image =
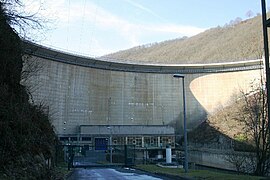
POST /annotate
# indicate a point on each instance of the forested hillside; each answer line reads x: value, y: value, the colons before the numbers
x: 233, y: 42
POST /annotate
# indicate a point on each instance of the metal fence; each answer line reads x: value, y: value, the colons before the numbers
x: 93, y: 156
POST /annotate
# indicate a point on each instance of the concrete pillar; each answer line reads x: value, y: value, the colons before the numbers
x: 126, y: 140
x: 168, y: 154
x: 144, y: 156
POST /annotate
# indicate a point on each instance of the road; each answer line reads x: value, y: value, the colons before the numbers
x: 111, y: 173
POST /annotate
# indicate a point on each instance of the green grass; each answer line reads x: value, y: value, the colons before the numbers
x: 196, y: 174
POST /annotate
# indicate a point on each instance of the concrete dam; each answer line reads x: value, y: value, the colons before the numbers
x: 89, y: 99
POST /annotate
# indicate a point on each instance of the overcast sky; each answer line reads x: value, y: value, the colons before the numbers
x: 98, y: 27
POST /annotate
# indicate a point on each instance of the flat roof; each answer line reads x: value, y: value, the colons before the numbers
x: 126, y: 130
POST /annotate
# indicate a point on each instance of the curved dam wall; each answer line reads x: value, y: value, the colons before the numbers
x: 86, y: 91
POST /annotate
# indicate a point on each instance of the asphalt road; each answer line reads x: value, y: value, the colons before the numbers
x: 111, y: 173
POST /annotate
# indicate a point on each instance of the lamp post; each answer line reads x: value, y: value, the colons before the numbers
x: 109, y: 127
x: 185, y: 122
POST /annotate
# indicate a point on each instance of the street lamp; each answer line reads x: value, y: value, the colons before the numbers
x: 110, y: 128
x: 185, y: 122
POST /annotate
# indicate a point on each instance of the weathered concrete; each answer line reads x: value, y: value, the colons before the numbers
x: 81, y: 91
x: 216, y: 90
x: 211, y: 158
x: 223, y: 159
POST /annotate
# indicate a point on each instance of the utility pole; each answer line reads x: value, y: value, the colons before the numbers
x: 266, y: 24
x: 185, y: 120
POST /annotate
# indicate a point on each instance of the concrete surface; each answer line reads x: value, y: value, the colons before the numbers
x: 80, y: 91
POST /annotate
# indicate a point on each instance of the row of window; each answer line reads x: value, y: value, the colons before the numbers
x: 137, y: 141
x: 72, y: 138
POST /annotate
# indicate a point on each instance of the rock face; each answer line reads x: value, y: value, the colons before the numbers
x: 26, y: 136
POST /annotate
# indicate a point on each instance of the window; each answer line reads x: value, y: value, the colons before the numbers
x: 86, y: 139
x: 138, y: 142
x: 167, y: 140
x: 146, y: 141
x: 119, y: 140
x: 63, y: 138
x: 73, y: 138
x: 154, y: 142
x: 131, y: 140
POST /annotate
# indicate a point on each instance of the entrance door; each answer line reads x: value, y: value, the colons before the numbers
x: 101, y: 144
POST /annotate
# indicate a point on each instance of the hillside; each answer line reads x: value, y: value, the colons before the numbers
x: 27, y: 138
x: 224, y: 129
x: 235, y: 42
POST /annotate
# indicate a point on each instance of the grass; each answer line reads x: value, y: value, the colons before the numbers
x: 196, y: 174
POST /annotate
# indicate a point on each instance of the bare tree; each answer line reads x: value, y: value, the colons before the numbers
x: 249, y: 14
x: 21, y: 20
x: 242, y: 161
x: 25, y: 129
x: 253, y: 113
x: 235, y: 21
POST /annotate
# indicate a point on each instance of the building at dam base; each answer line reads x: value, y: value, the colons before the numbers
x: 91, y: 100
